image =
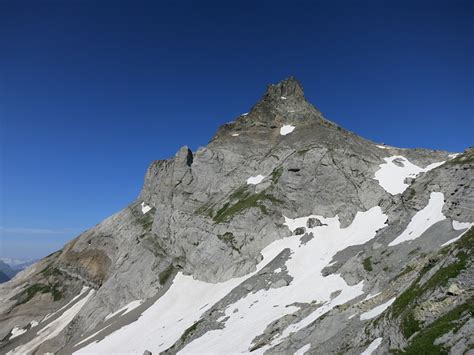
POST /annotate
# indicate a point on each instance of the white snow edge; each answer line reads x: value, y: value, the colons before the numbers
x: 371, y: 348
x: 376, y: 311
x: 286, y: 129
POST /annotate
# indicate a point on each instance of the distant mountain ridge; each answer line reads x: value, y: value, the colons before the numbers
x: 286, y: 234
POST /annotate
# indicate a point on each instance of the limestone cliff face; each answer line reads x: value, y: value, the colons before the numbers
x: 210, y: 214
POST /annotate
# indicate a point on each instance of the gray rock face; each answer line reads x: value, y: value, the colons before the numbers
x: 198, y: 215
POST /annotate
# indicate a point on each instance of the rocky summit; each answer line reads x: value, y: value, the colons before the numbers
x: 287, y: 234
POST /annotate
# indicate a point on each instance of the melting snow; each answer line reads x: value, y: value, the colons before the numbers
x: 187, y: 299
x: 423, y: 219
x: 84, y: 289
x: 54, y: 328
x: 17, y: 332
x: 145, y: 208
x: 382, y: 146
x: 286, y: 129
x: 235, y: 135
x: 371, y: 348
x: 391, y: 176
x: 458, y: 226
x: 461, y: 225
x: 254, y: 180
x: 157, y: 328
x: 372, y: 296
x: 33, y: 323
x: 127, y: 308
x: 374, y: 312
x: 93, y: 335
x: 244, y: 114
x: 451, y: 241
x: 302, y: 350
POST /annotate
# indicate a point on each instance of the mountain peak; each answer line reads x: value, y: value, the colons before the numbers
x: 282, y: 103
x: 287, y: 88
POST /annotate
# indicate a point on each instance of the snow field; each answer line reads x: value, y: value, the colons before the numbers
x: 423, y: 219
x: 391, y: 176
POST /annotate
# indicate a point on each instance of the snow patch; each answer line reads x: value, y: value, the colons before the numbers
x: 235, y: 135
x: 369, y: 296
x: 451, y: 241
x: 423, y: 219
x: 254, y: 180
x: 244, y: 114
x: 371, y: 348
x: 461, y: 225
x: 374, y: 312
x: 283, y: 97
x: 392, y: 176
x: 93, y: 335
x: 382, y: 146
x: 83, y: 290
x: 458, y: 226
x: 127, y: 308
x: 54, y: 328
x: 17, y: 332
x: 286, y: 129
x: 145, y: 208
x: 302, y: 350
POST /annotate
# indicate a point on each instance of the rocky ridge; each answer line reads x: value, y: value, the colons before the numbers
x: 255, y: 215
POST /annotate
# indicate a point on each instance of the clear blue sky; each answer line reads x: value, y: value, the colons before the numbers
x: 92, y: 92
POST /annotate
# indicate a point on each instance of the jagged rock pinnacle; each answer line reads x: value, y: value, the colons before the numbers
x: 285, y: 89
x: 282, y: 103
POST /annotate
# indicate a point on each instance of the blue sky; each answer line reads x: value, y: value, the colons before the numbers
x: 92, y: 92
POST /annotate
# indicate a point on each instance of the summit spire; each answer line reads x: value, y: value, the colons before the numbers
x: 287, y: 88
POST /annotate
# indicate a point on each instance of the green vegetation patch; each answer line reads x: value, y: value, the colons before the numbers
x: 404, y: 304
x: 441, y: 277
x: 276, y: 174
x: 466, y: 158
x: 405, y: 271
x: 367, y: 264
x: 303, y: 151
x: 409, y: 194
x: 229, y: 239
x: 190, y: 331
x: 422, y: 343
x: 409, y: 325
x: 166, y: 274
x: 245, y: 200
x: 54, y: 253
x: 32, y: 290
x: 51, y: 271
x: 205, y: 209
